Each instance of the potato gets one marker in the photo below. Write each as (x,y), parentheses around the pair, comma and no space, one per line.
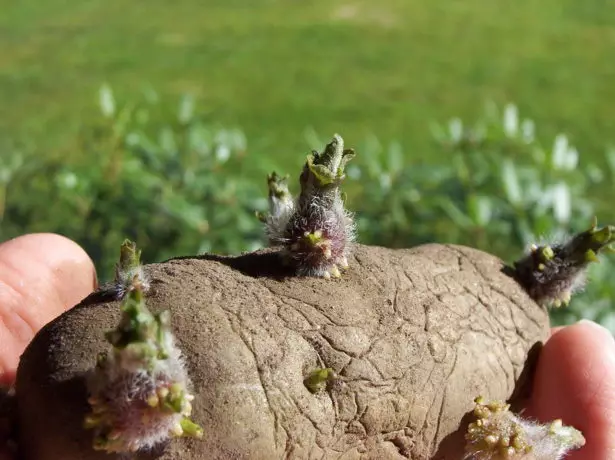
(316,348)
(414,335)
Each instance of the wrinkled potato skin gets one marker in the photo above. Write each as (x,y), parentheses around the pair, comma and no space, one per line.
(415,333)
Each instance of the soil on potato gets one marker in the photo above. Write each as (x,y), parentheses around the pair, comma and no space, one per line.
(416,334)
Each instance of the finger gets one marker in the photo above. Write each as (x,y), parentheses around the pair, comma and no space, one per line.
(575,381)
(41,276)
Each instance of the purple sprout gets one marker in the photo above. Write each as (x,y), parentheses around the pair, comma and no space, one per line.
(551,274)
(139,392)
(315,229)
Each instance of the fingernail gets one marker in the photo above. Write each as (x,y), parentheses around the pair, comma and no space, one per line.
(596,326)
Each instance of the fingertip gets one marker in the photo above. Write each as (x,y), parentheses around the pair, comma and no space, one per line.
(71,271)
(575,382)
(41,276)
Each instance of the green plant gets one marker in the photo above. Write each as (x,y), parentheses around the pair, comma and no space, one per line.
(496,187)
(176,185)
(139,392)
(553,273)
(315,230)
(179,186)
(499,434)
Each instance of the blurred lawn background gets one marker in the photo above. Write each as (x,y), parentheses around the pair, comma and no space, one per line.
(274,67)
(157,121)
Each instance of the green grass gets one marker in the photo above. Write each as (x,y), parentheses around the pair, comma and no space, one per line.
(275,67)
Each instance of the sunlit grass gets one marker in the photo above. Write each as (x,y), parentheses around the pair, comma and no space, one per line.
(276,67)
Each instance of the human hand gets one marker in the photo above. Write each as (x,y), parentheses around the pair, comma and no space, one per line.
(42,275)
(575,382)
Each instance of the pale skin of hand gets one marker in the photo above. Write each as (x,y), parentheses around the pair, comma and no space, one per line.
(43,275)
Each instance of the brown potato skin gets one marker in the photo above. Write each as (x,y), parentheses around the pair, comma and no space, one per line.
(415,333)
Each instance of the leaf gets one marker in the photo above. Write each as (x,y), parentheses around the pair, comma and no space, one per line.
(560,152)
(167,141)
(186,109)
(510,181)
(223,153)
(511,120)
(106,101)
(347,155)
(321,172)
(385,181)
(455,129)
(239,140)
(455,214)
(572,159)
(480,209)
(67,180)
(123,120)
(527,130)
(200,140)
(9,167)
(562,207)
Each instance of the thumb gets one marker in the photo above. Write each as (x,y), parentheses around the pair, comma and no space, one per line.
(575,382)
(41,276)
